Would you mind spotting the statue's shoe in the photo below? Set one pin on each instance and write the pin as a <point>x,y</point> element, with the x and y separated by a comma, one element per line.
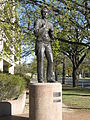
<point>51,81</point>
<point>40,81</point>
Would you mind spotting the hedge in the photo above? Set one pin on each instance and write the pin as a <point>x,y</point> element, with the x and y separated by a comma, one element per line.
<point>11,86</point>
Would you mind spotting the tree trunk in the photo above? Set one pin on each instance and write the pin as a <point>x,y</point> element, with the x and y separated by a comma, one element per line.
<point>83,74</point>
<point>56,71</point>
<point>56,75</point>
<point>63,72</point>
<point>75,77</point>
<point>76,63</point>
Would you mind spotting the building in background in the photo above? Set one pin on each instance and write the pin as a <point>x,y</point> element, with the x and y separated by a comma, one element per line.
<point>7,61</point>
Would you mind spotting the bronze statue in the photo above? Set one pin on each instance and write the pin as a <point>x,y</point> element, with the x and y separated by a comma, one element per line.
<point>44,35</point>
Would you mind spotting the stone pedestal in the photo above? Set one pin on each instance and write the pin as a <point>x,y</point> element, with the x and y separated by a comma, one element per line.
<point>45,101</point>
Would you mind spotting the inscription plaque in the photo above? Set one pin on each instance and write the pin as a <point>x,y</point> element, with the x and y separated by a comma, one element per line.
<point>56,94</point>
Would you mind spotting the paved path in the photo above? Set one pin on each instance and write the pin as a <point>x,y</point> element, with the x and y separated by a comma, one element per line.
<point>77,115</point>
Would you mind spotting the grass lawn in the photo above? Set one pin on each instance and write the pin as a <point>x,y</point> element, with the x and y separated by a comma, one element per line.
<point>76,97</point>
<point>86,78</point>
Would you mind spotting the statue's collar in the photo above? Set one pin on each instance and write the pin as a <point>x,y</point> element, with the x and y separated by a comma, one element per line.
<point>45,20</point>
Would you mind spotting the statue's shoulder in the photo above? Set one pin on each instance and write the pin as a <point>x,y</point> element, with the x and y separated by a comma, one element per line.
<point>39,20</point>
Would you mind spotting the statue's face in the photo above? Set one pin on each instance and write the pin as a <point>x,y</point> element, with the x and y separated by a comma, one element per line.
<point>45,13</point>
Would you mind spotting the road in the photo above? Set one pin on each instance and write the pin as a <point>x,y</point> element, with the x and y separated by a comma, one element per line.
<point>81,83</point>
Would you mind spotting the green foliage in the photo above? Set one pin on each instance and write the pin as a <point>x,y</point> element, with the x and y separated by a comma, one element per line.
<point>24,71</point>
<point>85,66</point>
<point>27,17</point>
<point>9,25</point>
<point>57,55</point>
<point>11,86</point>
<point>34,66</point>
<point>65,15</point>
<point>27,78</point>
<point>68,67</point>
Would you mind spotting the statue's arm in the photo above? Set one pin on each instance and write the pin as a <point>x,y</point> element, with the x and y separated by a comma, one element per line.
<point>36,28</point>
<point>39,28</point>
<point>36,47</point>
<point>51,32</point>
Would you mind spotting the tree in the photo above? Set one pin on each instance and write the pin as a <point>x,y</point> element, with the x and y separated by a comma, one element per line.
<point>73,38</point>
<point>85,66</point>
<point>27,14</point>
<point>57,57</point>
<point>60,11</point>
<point>73,33</point>
<point>10,29</point>
<point>64,71</point>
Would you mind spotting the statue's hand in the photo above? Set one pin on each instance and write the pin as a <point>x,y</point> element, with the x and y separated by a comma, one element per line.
<point>51,35</point>
<point>41,30</point>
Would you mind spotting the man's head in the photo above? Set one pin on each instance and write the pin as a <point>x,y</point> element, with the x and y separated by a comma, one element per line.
<point>44,12</point>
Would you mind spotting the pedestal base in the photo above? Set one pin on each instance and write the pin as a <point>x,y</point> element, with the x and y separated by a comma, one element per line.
<point>45,101</point>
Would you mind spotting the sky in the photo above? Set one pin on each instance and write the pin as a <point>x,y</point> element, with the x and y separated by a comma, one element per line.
<point>27,59</point>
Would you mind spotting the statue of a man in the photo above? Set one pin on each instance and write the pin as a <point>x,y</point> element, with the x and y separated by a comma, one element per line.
<point>44,35</point>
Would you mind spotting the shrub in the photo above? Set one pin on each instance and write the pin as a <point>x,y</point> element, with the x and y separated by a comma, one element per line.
<point>27,79</point>
<point>11,86</point>
<point>22,70</point>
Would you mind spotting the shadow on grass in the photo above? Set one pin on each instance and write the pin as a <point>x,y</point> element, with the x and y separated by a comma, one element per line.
<point>76,95</point>
<point>78,108</point>
<point>13,118</point>
<point>77,90</point>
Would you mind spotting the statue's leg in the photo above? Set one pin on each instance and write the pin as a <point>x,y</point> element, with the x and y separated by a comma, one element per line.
<point>49,56</point>
<point>40,59</point>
